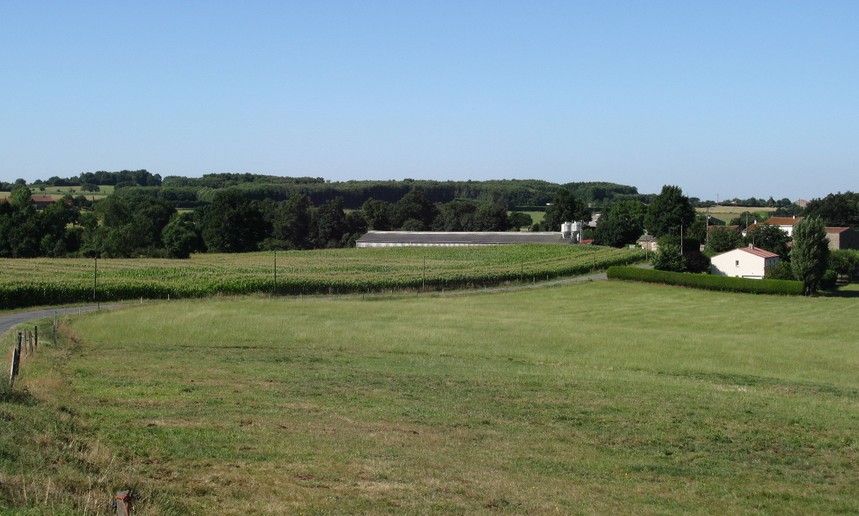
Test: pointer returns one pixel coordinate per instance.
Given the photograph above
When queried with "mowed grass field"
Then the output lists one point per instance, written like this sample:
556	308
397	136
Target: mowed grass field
598	397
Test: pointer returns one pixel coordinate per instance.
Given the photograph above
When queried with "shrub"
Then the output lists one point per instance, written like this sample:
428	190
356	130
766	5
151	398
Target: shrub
707	282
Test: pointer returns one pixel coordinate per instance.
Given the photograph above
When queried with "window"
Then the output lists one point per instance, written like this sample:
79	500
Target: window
737	263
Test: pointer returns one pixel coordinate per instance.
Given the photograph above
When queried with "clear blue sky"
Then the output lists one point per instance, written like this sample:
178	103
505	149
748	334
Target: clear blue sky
729	98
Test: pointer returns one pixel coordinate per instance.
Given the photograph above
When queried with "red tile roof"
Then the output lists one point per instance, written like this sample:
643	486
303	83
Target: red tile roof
836	229
784	221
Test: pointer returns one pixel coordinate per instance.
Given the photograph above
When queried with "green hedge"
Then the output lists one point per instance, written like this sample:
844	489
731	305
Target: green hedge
707	281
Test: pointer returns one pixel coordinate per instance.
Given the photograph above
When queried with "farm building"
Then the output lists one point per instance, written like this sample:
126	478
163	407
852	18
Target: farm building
842	238
571	233
745	262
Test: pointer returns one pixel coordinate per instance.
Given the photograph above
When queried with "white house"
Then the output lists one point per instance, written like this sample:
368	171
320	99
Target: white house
785	224
745	262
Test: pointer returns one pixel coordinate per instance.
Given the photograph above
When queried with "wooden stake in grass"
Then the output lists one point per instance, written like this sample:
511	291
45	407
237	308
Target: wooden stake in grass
16	359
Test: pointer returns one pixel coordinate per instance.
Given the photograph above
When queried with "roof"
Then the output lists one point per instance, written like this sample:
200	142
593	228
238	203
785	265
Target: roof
756	251
646	238
763	253
418	238
836	229
783	221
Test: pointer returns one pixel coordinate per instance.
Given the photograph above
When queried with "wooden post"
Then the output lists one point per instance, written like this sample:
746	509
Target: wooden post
122	503
35	337
16	360
56	328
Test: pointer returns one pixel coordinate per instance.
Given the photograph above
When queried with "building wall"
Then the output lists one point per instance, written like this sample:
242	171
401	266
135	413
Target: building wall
740	264
845	240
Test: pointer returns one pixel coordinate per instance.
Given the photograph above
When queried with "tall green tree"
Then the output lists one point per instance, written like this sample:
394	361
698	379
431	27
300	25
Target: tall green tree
669	257
330	224
416	209
669	212
181	237
622	224
232	223
292	223
841	209
809	255
565	207
770	237
723	239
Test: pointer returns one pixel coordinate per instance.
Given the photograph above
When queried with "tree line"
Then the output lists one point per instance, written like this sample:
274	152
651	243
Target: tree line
143	225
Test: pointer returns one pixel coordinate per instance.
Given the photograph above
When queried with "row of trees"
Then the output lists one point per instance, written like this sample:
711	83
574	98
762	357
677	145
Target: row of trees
144	225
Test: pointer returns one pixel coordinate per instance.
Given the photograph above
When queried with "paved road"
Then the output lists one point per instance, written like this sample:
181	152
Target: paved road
7	322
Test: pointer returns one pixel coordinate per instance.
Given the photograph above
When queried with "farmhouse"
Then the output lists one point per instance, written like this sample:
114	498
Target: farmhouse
571	233
785	224
648	243
745	262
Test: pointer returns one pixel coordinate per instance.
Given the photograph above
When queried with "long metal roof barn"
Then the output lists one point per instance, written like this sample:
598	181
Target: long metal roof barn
456	238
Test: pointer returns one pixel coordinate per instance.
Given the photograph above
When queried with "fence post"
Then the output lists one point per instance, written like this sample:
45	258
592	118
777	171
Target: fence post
35	337
122	503
56	324
16	361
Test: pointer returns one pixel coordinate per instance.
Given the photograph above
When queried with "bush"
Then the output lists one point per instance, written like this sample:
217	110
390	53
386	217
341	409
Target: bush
707	282
829	279
780	271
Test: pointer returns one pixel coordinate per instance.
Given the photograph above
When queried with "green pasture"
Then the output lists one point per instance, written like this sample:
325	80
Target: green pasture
536	216
598	397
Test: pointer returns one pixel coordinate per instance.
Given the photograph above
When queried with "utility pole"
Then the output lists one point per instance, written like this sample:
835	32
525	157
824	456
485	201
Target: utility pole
95	282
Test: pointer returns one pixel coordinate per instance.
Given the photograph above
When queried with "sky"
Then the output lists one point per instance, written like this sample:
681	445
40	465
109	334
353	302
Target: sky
727	99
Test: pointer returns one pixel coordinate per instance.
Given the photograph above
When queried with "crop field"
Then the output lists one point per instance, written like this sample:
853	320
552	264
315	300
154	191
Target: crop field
29	282
727	213
597	397
58	192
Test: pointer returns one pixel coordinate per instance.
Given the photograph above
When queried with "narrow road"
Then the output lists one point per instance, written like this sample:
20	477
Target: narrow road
8	322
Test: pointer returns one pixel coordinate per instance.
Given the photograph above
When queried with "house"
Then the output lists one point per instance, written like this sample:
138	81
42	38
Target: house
745	262
40	202
842	238
786	224
648	242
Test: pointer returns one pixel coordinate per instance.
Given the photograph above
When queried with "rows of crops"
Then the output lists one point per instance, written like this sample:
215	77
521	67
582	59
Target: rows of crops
29	282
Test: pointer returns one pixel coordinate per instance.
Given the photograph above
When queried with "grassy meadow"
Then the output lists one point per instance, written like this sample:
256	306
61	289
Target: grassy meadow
604	397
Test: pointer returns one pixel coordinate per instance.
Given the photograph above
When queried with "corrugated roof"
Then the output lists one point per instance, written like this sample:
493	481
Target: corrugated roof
460	238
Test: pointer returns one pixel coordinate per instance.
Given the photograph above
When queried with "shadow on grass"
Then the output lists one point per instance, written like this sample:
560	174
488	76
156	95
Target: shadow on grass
15	396
848	290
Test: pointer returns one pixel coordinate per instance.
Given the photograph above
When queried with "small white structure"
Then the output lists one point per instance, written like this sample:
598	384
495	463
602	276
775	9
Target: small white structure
573	231
745	262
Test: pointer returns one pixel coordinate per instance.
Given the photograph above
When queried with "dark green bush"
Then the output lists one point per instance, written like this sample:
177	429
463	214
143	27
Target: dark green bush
707	282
